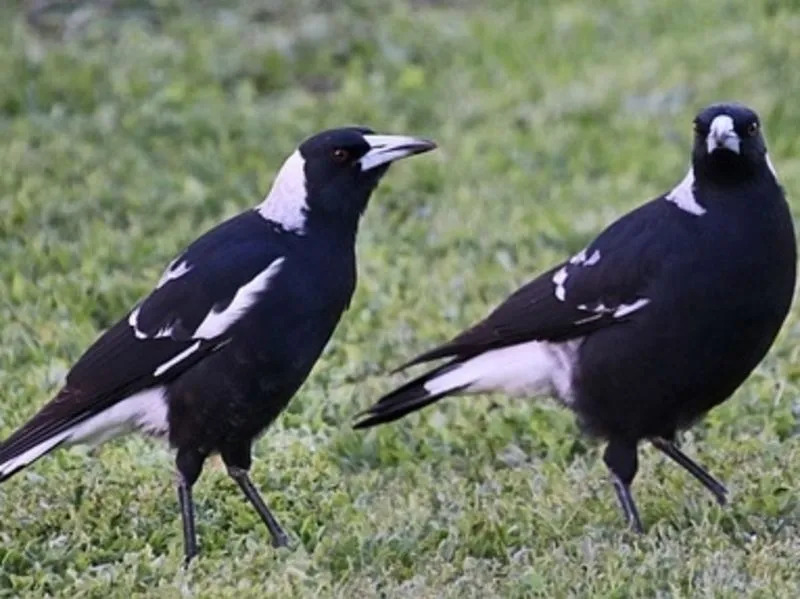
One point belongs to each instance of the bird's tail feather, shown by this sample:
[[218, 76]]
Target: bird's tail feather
[[414, 395], [14, 459]]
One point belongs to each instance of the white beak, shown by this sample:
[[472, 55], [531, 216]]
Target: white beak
[[388, 148], [722, 135]]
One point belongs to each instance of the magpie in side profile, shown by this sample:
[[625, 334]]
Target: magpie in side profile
[[233, 327], [654, 323]]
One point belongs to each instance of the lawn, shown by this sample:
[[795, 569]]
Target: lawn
[[127, 128]]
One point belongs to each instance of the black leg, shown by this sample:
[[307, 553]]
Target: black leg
[[187, 515], [620, 457], [669, 449], [279, 537], [189, 466], [237, 460]]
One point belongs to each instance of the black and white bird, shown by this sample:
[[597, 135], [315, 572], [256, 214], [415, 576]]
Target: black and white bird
[[232, 329], [651, 325]]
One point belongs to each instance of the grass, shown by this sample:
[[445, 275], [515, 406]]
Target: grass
[[127, 128]]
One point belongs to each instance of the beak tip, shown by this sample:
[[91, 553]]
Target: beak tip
[[426, 145]]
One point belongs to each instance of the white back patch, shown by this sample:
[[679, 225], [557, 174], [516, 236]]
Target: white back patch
[[525, 369], [683, 196], [285, 203], [216, 323]]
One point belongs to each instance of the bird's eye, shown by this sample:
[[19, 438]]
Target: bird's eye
[[341, 155], [698, 127], [752, 128]]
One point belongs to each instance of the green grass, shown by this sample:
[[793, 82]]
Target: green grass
[[124, 132]]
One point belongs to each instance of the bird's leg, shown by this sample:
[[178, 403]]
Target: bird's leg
[[238, 464], [670, 449], [189, 465], [621, 459]]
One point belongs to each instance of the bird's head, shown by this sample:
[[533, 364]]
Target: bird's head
[[728, 143], [330, 177]]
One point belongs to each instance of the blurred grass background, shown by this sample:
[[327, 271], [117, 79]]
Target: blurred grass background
[[127, 127]]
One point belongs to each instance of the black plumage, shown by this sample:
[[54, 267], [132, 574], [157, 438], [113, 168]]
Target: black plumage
[[657, 321], [233, 327]]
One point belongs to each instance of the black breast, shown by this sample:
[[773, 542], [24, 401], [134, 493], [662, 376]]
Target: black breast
[[721, 293]]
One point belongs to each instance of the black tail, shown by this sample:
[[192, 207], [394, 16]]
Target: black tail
[[405, 399]]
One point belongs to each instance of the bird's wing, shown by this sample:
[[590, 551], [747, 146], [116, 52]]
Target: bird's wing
[[190, 314], [603, 285]]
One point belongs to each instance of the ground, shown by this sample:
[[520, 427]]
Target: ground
[[126, 128]]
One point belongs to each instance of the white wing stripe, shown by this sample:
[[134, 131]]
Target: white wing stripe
[[625, 309], [171, 362], [216, 323]]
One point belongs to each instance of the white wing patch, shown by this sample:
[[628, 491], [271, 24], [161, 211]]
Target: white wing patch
[[625, 309], [593, 259], [174, 271], [683, 196], [285, 203], [216, 323], [133, 317], [560, 276], [617, 311]]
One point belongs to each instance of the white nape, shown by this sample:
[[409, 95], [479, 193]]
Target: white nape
[[145, 411], [683, 196], [525, 369], [285, 203], [216, 323], [175, 270]]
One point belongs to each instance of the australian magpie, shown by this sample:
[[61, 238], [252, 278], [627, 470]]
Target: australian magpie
[[232, 328], [655, 322]]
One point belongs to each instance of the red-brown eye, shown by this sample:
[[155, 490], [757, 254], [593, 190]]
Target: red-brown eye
[[341, 155], [752, 128]]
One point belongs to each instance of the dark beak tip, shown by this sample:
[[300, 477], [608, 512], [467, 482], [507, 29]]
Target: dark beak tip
[[425, 145]]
